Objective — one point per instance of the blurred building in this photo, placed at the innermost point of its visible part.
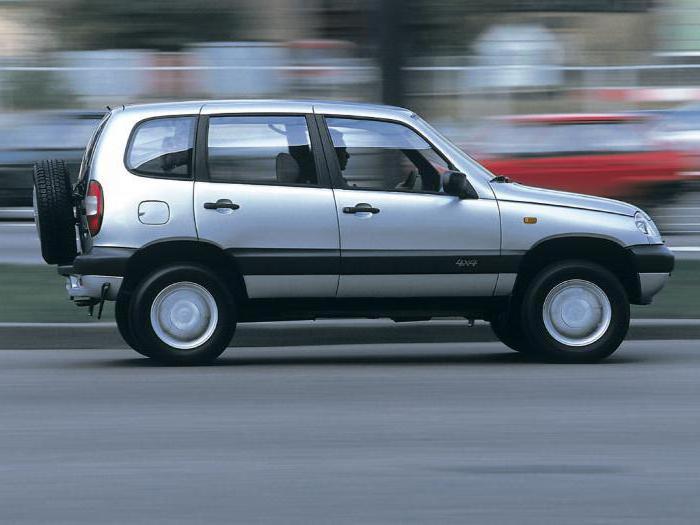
(86, 53)
(678, 29)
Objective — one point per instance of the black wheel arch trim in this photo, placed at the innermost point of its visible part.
(114, 261)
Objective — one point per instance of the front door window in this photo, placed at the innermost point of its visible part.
(380, 155)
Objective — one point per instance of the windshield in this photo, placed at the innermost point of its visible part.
(462, 161)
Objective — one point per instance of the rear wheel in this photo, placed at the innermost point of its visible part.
(575, 312)
(53, 211)
(182, 315)
(121, 315)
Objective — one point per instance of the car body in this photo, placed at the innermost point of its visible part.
(26, 138)
(677, 128)
(305, 210)
(608, 154)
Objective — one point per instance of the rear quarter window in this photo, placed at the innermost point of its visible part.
(162, 147)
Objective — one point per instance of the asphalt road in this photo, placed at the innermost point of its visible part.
(421, 433)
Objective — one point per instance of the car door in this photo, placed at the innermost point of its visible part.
(400, 234)
(262, 194)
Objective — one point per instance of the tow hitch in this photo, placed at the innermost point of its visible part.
(100, 301)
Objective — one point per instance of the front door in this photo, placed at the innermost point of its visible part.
(400, 234)
(264, 199)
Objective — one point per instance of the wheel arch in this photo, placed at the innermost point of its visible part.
(179, 251)
(606, 252)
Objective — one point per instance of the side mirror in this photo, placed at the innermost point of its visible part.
(456, 184)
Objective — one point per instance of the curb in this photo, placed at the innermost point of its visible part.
(57, 336)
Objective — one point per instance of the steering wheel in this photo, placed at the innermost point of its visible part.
(409, 183)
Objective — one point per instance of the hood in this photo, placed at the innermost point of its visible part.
(519, 193)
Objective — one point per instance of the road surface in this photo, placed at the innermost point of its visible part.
(421, 433)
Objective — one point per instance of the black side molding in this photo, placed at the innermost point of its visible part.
(103, 261)
(653, 258)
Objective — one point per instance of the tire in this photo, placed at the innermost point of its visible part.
(121, 314)
(53, 211)
(574, 312)
(207, 310)
(507, 328)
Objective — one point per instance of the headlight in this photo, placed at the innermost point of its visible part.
(646, 225)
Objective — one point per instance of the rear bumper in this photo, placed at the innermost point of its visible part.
(89, 273)
(103, 261)
(91, 286)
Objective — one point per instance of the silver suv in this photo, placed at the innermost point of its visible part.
(194, 216)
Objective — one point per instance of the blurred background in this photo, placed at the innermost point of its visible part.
(593, 96)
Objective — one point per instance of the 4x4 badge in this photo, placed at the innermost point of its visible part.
(467, 263)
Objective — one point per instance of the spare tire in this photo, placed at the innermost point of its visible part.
(53, 211)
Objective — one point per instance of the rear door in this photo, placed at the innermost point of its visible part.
(262, 194)
(401, 235)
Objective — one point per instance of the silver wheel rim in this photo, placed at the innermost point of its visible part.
(576, 312)
(184, 315)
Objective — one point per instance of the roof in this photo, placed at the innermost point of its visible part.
(323, 106)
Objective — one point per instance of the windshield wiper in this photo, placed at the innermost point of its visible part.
(500, 178)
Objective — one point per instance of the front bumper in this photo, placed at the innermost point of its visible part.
(650, 284)
(654, 264)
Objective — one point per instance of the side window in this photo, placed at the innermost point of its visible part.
(162, 147)
(378, 155)
(260, 150)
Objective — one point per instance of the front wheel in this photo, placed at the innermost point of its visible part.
(575, 312)
(183, 315)
(506, 327)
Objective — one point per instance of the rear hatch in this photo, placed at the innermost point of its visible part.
(81, 186)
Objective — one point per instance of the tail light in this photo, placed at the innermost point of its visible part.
(94, 207)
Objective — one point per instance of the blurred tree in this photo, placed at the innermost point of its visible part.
(165, 25)
(392, 50)
(450, 26)
(33, 90)
(444, 26)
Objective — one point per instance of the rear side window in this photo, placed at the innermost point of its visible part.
(162, 147)
(260, 150)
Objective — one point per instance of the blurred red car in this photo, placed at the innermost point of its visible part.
(609, 155)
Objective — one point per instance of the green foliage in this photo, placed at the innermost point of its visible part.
(33, 90)
(165, 25)
(36, 293)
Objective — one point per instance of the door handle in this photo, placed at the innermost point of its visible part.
(221, 204)
(361, 207)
